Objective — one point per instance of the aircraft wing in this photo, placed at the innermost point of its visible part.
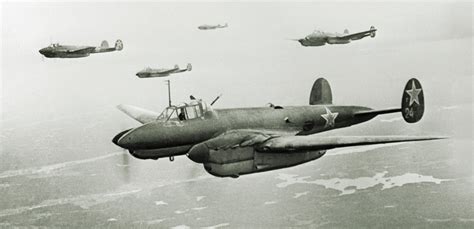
(166, 71)
(314, 142)
(364, 33)
(80, 49)
(263, 141)
(137, 113)
(180, 70)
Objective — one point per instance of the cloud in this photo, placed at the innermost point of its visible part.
(349, 186)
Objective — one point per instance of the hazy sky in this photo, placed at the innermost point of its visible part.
(251, 62)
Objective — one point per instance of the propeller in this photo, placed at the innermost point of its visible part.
(125, 166)
(125, 159)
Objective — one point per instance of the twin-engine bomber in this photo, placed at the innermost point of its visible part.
(162, 72)
(71, 51)
(237, 141)
(211, 27)
(319, 38)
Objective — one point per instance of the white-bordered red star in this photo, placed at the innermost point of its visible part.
(413, 93)
(329, 117)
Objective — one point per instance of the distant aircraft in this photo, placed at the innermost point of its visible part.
(209, 27)
(319, 38)
(237, 141)
(70, 51)
(150, 72)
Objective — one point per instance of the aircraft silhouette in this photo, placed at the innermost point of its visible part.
(237, 141)
(210, 27)
(319, 38)
(70, 51)
(162, 72)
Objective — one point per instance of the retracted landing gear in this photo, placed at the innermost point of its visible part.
(171, 158)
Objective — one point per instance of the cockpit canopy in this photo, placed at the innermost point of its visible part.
(315, 33)
(54, 45)
(186, 111)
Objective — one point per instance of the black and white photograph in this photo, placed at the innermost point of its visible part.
(236, 114)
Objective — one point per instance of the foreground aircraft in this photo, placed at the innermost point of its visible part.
(319, 38)
(150, 72)
(209, 27)
(238, 141)
(70, 51)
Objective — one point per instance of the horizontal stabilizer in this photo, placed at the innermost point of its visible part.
(377, 112)
(313, 142)
(137, 113)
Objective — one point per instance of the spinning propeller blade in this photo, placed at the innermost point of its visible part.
(125, 159)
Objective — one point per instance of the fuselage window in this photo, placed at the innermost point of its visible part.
(191, 111)
(171, 113)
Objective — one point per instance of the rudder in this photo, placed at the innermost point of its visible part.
(413, 101)
(372, 34)
(104, 44)
(118, 45)
(320, 93)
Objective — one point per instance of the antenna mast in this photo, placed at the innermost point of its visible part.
(169, 92)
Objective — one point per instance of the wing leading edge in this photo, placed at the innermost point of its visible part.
(364, 33)
(263, 141)
(313, 142)
(80, 49)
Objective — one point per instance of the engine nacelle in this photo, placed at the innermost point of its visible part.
(357, 38)
(238, 161)
(333, 40)
(159, 153)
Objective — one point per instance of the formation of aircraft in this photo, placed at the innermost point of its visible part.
(209, 27)
(238, 141)
(71, 51)
(162, 72)
(319, 38)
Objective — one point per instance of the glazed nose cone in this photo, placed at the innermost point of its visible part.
(42, 51)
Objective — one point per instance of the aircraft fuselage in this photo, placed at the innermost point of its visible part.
(301, 120)
(322, 38)
(171, 138)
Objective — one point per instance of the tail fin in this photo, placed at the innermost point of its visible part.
(372, 34)
(346, 31)
(189, 67)
(225, 25)
(118, 45)
(413, 101)
(320, 93)
(104, 44)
